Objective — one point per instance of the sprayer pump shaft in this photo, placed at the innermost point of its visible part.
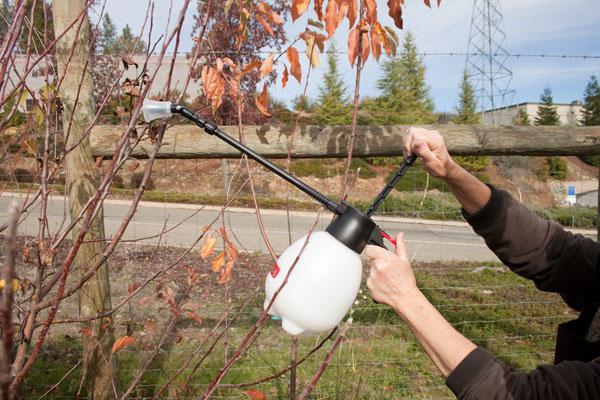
(213, 129)
(391, 184)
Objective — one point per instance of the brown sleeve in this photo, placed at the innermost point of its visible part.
(481, 376)
(555, 259)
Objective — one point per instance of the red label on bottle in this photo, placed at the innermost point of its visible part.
(275, 270)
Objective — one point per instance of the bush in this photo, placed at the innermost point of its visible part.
(118, 182)
(366, 172)
(580, 217)
(441, 206)
(557, 168)
(594, 161)
(23, 175)
(136, 181)
(415, 179)
(316, 168)
(473, 164)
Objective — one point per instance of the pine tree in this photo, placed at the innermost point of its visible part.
(522, 118)
(127, 42)
(109, 35)
(591, 103)
(333, 105)
(404, 95)
(467, 107)
(547, 114)
(42, 16)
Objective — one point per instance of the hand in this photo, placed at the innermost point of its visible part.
(391, 279)
(430, 146)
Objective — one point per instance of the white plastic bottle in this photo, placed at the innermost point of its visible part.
(321, 287)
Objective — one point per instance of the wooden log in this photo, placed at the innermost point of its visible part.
(188, 141)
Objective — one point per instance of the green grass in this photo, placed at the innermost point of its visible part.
(381, 359)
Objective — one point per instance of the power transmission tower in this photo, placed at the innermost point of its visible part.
(487, 59)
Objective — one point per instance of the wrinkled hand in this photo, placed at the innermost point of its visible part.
(430, 146)
(391, 279)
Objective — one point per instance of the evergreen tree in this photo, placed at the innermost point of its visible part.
(522, 118)
(332, 106)
(467, 107)
(5, 17)
(109, 35)
(41, 18)
(404, 95)
(546, 114)
(127, 42)
(591, 103)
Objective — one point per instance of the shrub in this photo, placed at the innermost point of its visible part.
(136, 181)
(557, 167)
(594, 161)
(415, 179)
(473, 164)
(118, 182)
(366, 172)
(316, 168)
(23, 175)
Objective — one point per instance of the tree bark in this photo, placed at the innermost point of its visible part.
(76, 94)
(189, 141)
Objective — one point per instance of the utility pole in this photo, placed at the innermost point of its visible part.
(487, 59)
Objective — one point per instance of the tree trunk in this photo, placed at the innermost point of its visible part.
(76, 94)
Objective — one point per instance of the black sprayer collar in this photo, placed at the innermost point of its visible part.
(351, 227)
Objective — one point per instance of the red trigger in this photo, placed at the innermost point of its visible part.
(388, 238)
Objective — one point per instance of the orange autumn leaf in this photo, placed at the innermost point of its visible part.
(353, 46)
(352, 12)
(255, 394)
(122, 342)
(271, 15)
(262, 101)
(299, 7)
(265, 25)
(214, 86)
(208, 247)
(225, 275)
(366, 48)
(371, 11)
(395, 11)
(331, 18)
(319, 9)
(218, 262)
(252, 65)
(267, 66)
(295, 66)
(285, 77)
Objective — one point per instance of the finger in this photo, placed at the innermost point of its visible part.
(421, 148)
(407, 146)
(401, 250)
(373, 252)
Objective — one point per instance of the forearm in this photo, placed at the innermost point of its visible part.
(471, 193)
(445, 345)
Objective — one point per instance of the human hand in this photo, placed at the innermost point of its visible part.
(430, 146)
(391, 279)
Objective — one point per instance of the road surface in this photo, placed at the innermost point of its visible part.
(427, 240)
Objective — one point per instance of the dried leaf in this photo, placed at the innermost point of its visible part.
(214, 86)
(312, 50)
(295, 66)
(271, 15)
(299, 7)
(208, 247)
(251, 67)
(395, 12)
(319, 9)
(366, 48)
(371, 11)
(352, 12)
(225, 275)
(127, 61)
(331, 17)
(286, 75)
(353, 45)
(15, 285)
(376, 44)
(262, 101)
(316, 24)
(265, 25)
(267, 66)
(218, 262)
(255, 394)
(122, 342)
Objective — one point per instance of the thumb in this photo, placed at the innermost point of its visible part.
(401, 247)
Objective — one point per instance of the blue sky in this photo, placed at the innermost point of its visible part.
(532, 26)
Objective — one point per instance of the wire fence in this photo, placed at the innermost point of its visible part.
(380, 358)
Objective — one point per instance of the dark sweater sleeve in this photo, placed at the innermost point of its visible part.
(481, 376)
(540, 250)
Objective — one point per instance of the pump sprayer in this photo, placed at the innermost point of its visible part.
(327, 276)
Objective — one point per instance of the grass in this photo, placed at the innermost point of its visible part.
(381, 359)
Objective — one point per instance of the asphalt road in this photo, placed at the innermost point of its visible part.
(427, 240)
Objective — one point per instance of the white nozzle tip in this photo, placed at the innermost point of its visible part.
(153, 109)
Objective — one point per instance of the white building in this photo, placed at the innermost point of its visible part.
(569, 114)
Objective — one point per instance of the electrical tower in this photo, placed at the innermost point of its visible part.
(487, 58)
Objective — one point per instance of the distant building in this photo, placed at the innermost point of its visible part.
(569, 114)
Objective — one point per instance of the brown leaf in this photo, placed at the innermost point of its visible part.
(376, 44)
(127, 61)
(366, 48)
(255, 394)
(262, 101)
(122, 342)
(271, 15)
(352, 12)
(395, 12)
(285, 77)
(331, 18)
(319, 9)
(267, 66)
(353, 45)
(295, 66)
(218, 262)
(312, 50)
(298, 8)
(371, 11)
(208, 247)
(225, 275)
(214, 86)
(265, 25)
(251, 67)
